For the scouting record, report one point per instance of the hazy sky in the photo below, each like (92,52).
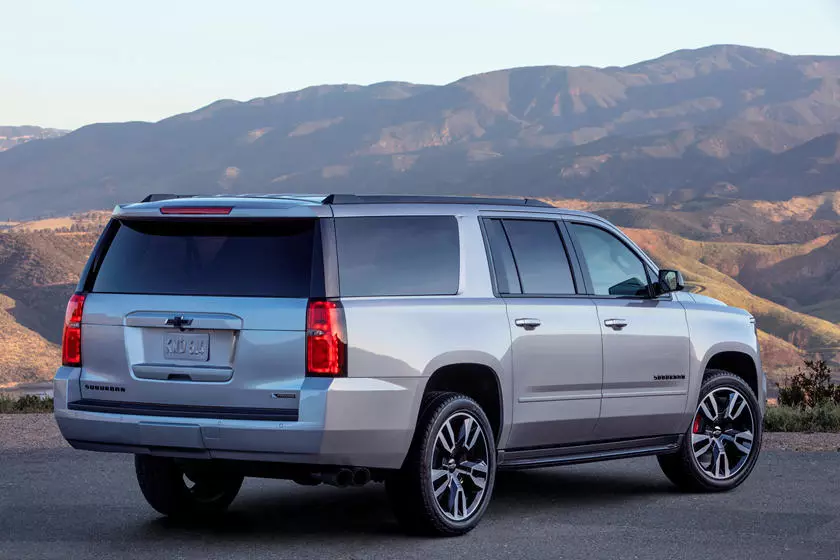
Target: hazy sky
(68,63)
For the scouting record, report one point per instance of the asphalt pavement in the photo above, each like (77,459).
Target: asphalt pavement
(62,503)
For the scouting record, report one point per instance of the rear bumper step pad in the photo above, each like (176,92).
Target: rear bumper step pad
(185,411)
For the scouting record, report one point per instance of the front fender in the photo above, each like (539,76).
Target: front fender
(716,328)
(708,352)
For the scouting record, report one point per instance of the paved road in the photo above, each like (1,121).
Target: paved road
(61,503)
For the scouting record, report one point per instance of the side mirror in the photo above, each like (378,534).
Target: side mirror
(670,281)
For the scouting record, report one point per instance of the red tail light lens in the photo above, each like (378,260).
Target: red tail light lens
(71,341)
(326,339)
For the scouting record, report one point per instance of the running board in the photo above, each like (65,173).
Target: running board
(588,452)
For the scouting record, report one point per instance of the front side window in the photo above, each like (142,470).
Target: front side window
(613,268)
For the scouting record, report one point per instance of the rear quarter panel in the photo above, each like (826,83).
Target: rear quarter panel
(411,337)
(406,338)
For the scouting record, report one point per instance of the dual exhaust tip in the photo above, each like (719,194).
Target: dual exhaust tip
(345,477)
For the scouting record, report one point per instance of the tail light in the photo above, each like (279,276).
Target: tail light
(71,341)
(326,339)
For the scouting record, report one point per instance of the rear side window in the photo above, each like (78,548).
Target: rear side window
(540,257)
(268,259)
(507,281)
(398,256)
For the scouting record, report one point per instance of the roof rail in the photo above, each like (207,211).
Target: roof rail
(377,199)
(155,197)
(437,199)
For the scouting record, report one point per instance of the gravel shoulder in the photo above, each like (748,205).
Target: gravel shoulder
(795,441)
(22,432)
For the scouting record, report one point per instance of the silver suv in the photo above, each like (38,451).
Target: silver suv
(423,342)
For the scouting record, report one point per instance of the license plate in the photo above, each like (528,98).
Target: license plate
(194,347)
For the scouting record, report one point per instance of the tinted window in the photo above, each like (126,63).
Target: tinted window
(271,259)
(614,269)
(398,256)
(507,281)
(540,257)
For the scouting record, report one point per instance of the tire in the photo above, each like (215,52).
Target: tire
(713,470)
(205,491)
(412,490)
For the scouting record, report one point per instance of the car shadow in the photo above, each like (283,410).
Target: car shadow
(330,513)
(564,487)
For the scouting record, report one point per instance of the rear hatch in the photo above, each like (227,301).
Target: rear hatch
(189,316)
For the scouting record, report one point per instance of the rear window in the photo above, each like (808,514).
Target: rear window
(268,259)
(398,256)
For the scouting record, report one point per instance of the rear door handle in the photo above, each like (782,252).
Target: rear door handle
(616,324)
(528,324)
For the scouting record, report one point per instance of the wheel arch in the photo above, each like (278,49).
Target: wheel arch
(738,359)
(477,380)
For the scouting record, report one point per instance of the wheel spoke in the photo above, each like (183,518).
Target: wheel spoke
(446,437)
(469,436)
(704,441)
(720,462)
(457,499)
(743,441)
(737,403)
(442,488)
(477,471)
(464,434)
(452,501)
(437,473)
(713,413)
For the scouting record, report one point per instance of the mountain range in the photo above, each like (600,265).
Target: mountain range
(721,122)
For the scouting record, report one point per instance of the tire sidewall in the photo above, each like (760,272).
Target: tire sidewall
(718,381)
(162,483)
(437,417)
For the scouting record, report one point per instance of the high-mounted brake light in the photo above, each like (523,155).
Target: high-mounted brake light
(197,210)
(326,339)
(71,340)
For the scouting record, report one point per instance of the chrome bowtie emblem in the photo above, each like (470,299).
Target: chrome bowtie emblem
(179,322)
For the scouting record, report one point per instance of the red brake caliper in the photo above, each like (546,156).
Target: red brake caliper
(696,428)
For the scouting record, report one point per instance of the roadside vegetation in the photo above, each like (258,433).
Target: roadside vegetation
(26,403)
(824,418)
(808,402)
